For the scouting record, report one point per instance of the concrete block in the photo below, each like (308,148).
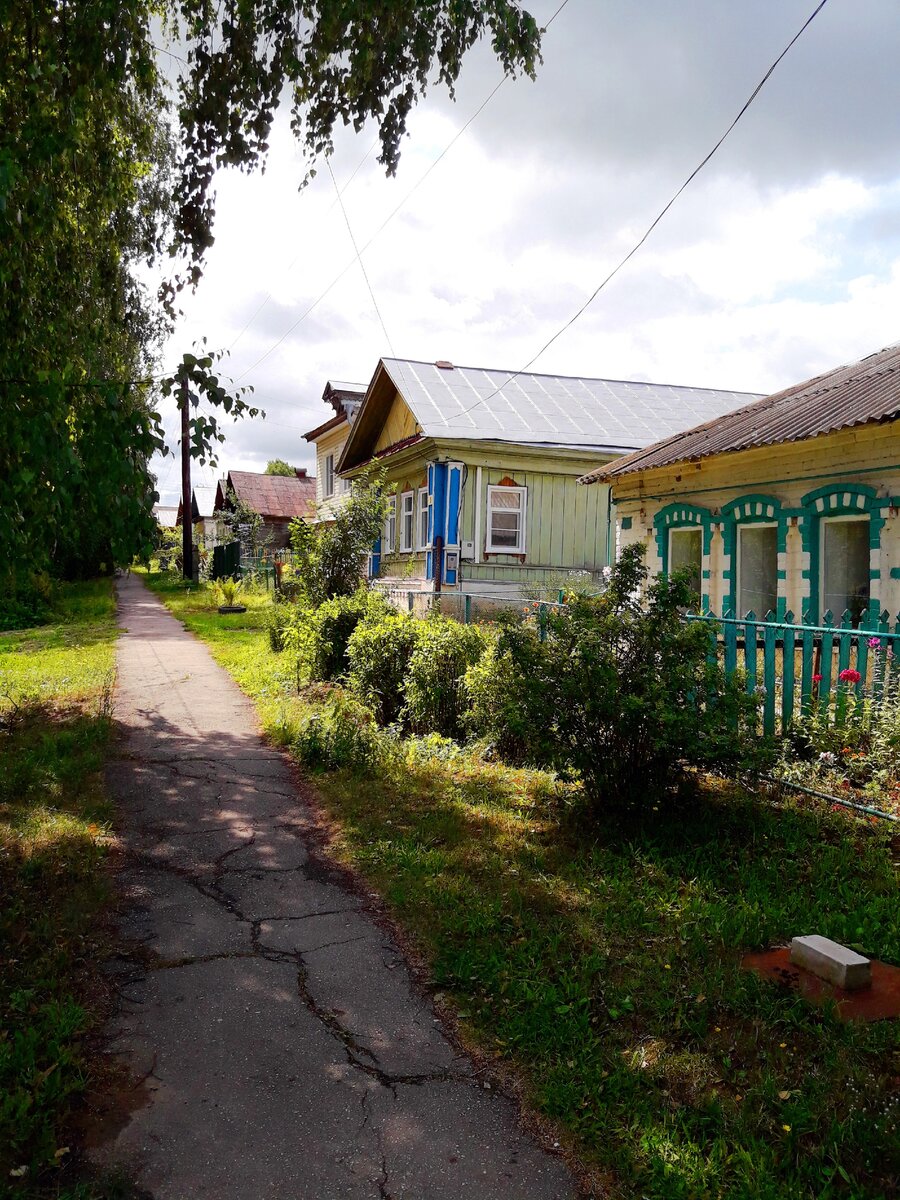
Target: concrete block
(832,961)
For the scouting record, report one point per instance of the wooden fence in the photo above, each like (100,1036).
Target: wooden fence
(796,667)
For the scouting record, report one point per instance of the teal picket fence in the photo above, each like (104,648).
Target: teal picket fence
(795,666)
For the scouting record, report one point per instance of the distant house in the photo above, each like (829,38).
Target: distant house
(277,498)
(789,503)
(482,468)
(166,515)
(329,439)
(203,518)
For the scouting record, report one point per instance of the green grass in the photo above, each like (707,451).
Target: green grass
(55,684)
(602,965)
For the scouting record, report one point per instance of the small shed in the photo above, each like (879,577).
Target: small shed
(278,499)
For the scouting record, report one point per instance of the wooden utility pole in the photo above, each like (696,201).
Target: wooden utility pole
(187,515)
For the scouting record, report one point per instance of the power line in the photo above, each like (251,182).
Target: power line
(362,266)
(656,220)
(459,133)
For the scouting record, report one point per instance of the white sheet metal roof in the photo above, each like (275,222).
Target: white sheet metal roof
(552,410)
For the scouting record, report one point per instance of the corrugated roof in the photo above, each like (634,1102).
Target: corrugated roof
(551,410)
(854,394)
(275,495)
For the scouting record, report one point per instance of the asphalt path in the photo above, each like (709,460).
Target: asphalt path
(275,1040)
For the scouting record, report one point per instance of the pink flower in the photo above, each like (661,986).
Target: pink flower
(874,643)
(848,675)
(817,678)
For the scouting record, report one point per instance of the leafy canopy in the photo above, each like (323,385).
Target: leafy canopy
(106,168)
(277,466)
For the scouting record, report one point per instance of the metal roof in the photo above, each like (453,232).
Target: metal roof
(279,496)
(551,410)
(853,394)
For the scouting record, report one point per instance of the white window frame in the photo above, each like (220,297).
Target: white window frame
(861,517)
(328,477)
(742,526)
(423,509)
(389,532)
(519,548)
(407,512)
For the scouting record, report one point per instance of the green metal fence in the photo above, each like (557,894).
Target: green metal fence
(796,666)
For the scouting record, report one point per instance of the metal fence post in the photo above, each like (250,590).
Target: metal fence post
(468,610)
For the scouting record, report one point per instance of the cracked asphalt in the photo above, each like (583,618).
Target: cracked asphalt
(277,1043)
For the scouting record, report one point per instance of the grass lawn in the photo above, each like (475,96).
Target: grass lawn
(55,684)
(601,965)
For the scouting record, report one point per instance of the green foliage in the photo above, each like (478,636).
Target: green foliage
(228,591)
(340,733)
(435,685)
(379,654)
(277,466)
(856,747)
(332,624)
(329,558)
(620,691)
(244,524)
(105,170)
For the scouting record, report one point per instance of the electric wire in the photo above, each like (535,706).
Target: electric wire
(459,133)
(656,220)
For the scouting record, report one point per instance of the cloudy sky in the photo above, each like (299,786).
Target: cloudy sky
(782,259)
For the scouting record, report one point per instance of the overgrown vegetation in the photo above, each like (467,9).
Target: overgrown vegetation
(601,961)
(55,685)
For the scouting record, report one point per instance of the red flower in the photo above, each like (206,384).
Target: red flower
(848,675)
(817,678)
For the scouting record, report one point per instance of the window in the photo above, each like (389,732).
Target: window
(757,569)
(389,537)
(407,522)
(328,476)
(345,484)
(845,566)
(424,509)
(506,520)
(686,551)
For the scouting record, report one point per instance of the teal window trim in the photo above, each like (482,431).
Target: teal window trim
(685,516)
(755,508)
(839,500)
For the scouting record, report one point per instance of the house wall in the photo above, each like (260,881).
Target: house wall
(792,485)
(331,442)
(566,524)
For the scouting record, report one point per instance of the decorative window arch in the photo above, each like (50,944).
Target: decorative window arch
(840,500)
(685,516)
(755,508)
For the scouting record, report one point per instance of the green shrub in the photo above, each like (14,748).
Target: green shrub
(435,691)
(378,653)
(278,617)
(340,733)
(331,626)
(620,693)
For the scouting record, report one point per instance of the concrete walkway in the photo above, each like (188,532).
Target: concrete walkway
(282,1048)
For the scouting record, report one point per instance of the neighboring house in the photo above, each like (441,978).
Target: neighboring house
(788,504)
(482,468)
(166,515)
(329,440)
(203,507)
(277,498)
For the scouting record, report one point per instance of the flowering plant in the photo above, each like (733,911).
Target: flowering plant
(849,675)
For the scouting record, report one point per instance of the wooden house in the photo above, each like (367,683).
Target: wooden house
(787,504)
(482,469)
(329,440)
(277,498)
(207,526)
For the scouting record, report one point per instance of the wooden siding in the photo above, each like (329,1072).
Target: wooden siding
(400,424)
(867,455)
(331,442)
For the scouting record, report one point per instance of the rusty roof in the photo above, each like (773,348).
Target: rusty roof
(284,496)
(854,394)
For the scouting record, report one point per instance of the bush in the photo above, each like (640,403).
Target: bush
(620,692)
(331,626)
(435,691)
(378,654)
(341,734)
